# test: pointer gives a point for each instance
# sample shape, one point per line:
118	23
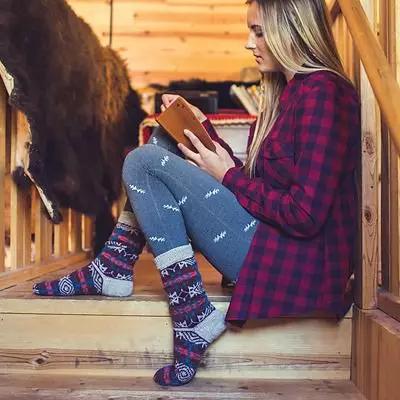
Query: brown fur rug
81	109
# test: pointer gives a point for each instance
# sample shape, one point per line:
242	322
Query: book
179	116
247	96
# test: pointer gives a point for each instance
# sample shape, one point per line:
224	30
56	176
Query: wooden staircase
107	348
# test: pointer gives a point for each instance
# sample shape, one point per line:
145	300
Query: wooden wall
376	336
376	355
163	40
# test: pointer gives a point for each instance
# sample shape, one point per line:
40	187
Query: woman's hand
167	99
215	164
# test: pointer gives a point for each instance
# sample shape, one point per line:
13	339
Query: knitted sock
196	322
110	273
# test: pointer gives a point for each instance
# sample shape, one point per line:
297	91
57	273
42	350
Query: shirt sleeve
323	131
214	136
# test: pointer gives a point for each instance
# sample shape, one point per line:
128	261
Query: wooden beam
367	270
377	67
75	231
43	232
376	355
390	178
3	122
20	208
63	387
389	304
87	241
288	348
61	236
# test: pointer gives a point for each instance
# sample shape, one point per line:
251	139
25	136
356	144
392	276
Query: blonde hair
299	34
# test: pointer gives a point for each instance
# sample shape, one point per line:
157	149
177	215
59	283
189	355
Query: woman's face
256	43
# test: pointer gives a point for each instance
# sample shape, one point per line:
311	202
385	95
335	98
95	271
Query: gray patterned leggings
174	200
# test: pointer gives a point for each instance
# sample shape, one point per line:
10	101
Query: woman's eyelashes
258	33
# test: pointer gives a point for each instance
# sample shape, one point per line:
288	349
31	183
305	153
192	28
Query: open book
179	116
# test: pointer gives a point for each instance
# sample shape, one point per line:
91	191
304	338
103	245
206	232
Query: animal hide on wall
81	109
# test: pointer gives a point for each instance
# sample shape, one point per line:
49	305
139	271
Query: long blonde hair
299	34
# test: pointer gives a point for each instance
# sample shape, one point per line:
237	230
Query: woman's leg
172	200
111	272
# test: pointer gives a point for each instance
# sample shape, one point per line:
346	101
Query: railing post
61	235
367	272
76	231
20	209
43	232
3	121
390	178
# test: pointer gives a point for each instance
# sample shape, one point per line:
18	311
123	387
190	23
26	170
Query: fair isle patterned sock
110	273
196	322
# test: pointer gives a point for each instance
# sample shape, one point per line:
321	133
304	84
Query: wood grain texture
75	220
20	207
3	119
377	67
148	297
173	40
87	224
97	14
367	273
133	335
376	355
61	236
10	279
43	233
390	178
73	388
389	304
135	345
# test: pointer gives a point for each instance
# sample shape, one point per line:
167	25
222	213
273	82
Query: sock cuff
211	327
128	218
173	256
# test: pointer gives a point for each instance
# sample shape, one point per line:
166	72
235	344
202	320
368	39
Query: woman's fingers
189	154
195	141
167	99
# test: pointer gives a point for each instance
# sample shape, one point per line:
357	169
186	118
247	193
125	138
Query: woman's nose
250	45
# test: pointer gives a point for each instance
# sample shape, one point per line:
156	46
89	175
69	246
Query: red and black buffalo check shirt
304	195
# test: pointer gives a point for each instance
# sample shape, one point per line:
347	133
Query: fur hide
81	109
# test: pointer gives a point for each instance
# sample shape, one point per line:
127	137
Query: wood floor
69	388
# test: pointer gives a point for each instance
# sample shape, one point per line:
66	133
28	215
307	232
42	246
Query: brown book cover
179	116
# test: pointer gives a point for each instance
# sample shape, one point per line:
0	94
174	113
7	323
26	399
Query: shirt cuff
209	128
232	176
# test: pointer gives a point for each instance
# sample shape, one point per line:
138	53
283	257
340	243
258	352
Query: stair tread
148	298
51	387
147	282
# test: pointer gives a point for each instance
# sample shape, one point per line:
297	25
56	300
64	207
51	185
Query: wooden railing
372	27
380	268
30	245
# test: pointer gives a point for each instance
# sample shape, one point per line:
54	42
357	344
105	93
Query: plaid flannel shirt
304	195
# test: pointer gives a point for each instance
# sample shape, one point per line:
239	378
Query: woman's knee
141	158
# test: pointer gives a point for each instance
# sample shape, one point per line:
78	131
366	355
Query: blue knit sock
110	273
196	322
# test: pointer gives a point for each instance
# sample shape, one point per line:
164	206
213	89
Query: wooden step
133	336
23	387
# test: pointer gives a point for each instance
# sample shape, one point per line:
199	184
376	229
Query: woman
282	226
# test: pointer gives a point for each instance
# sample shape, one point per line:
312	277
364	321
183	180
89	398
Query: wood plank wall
165	40
376	336
376	355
